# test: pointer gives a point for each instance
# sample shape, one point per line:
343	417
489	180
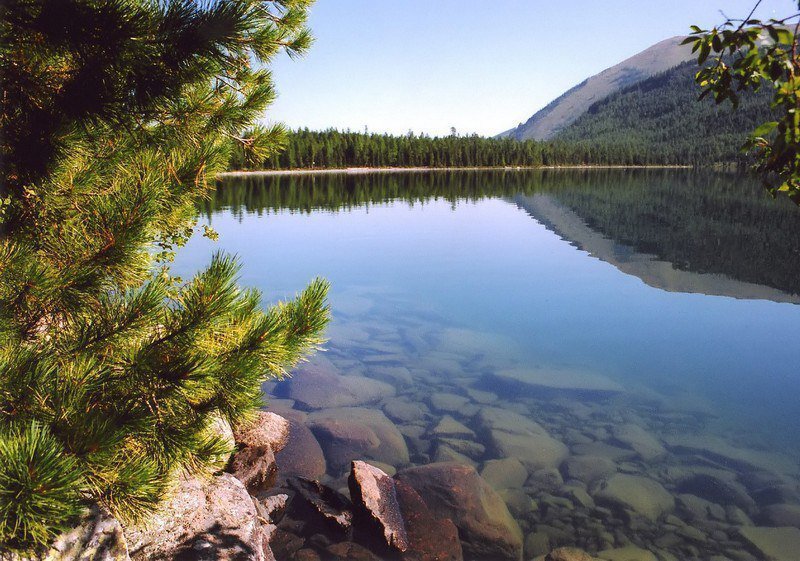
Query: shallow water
649	318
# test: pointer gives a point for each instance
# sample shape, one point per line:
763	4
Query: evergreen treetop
116	115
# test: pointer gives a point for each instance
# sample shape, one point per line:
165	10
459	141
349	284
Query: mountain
547	122
660	119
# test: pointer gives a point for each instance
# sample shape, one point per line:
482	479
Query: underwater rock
544	381
642	495
402	411
507	473
774	544
781	515
342	440
449	427
457	492
513	436
204	520
317	385
640	441
301	455
447	402
717	490
373	494
722	452
356	432
397	376
627	553
569	554
587	468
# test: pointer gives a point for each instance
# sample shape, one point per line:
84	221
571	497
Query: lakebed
612	351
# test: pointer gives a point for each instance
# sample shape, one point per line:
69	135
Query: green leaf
765	128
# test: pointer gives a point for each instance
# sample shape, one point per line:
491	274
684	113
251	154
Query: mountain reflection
680	230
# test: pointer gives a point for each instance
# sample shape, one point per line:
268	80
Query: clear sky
482	67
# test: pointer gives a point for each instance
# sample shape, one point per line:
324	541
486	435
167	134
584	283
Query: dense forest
659	120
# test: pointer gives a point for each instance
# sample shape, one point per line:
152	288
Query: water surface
662	302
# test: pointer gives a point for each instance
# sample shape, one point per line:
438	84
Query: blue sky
482	67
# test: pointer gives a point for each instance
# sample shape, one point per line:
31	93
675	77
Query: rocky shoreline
415	446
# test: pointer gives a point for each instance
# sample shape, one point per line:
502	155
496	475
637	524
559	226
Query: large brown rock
374	498
267	429
486	528
257	441
204	519
318	385
430	538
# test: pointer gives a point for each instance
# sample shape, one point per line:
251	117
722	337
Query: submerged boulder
642	495
485	526
553	381
775	544
353	433
640	441
513	436
318	385
301	455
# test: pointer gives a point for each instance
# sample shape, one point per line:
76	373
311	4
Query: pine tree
116	115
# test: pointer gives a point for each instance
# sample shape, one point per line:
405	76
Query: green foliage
116	115
746	54
39	485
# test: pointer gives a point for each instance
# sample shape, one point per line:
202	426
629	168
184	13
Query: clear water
680	288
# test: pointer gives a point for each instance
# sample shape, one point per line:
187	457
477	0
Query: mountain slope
561	112
661	115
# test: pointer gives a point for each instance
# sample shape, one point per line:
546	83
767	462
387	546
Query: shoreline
364	170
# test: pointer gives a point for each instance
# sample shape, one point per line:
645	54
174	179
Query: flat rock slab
561	380
647	446
449	427
642	495
319	386
204	519
775	544
457	492
723	452
373	494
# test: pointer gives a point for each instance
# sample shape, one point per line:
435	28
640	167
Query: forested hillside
660	120
657	121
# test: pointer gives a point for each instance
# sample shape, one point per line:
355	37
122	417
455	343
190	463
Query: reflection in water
605	413
699	222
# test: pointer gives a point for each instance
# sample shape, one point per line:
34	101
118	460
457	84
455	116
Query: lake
614	350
